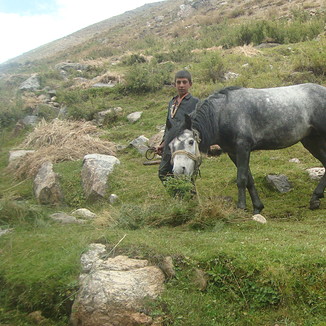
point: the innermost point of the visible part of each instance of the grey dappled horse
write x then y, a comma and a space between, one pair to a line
242, 120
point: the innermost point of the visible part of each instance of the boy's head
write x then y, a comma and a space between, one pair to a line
183, 74
182, 82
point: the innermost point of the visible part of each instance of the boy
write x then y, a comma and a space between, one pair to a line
181, 104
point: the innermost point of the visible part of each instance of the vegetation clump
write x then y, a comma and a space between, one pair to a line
61, 140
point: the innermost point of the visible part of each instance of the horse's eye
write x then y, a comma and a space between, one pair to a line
191, 142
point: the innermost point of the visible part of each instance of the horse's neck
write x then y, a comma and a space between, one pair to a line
206, 124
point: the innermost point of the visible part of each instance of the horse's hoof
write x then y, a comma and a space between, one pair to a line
314, 204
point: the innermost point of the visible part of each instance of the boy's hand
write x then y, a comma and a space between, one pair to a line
159, 149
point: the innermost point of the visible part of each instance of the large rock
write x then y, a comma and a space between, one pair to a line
63, 218
84, 213
156, 139
66, 66
106, 116
46, 185
30, 120
140, 144
112, 291
134, 117
95, 172
279, 182
316, 173
31, 84
16, 155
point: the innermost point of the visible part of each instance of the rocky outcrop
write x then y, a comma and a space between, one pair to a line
95, 171
67, 66
31, 84
112, 291
46, 186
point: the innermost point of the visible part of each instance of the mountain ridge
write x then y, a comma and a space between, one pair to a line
166, 19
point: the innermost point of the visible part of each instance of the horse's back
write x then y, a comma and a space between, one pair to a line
274, 117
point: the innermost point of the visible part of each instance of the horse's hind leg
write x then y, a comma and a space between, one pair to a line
316, 145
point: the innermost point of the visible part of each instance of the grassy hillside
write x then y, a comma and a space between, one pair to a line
271, 274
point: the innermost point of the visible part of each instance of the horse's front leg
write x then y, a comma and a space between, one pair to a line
242, 180
250, 184
256, 202
241, 160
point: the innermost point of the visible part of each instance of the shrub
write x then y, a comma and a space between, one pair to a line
212, 67
312, 59
133, 59
15, 213
281, 31
179, 187
143, 78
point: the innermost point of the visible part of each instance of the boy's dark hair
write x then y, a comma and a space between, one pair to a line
183, 74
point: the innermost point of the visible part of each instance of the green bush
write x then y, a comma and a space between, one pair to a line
13, 213
71, 184
211, 68
312, 59
179, 187
133, 59
144, 78
84, 104
281, 31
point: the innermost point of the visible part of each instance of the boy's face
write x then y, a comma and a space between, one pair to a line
182, 85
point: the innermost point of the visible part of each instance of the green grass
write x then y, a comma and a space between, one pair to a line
269, 270
257, 274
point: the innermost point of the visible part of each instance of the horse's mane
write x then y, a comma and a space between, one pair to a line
224, 91
204, 118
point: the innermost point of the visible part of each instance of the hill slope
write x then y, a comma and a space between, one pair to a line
167, 19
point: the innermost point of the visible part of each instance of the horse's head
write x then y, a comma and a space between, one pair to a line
186, 157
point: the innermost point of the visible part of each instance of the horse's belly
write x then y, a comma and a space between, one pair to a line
279, 139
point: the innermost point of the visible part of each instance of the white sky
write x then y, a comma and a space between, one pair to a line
28, 24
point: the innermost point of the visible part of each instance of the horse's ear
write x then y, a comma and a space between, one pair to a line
168, 124
188, 122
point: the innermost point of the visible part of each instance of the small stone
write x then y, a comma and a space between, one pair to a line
167, 267
5, 231
259, 218
201, 279
113, 199
84, 213
63, 218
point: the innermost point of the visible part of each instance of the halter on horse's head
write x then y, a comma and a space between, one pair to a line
186, 157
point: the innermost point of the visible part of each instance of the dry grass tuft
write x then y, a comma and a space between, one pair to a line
59, 141
246, 50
